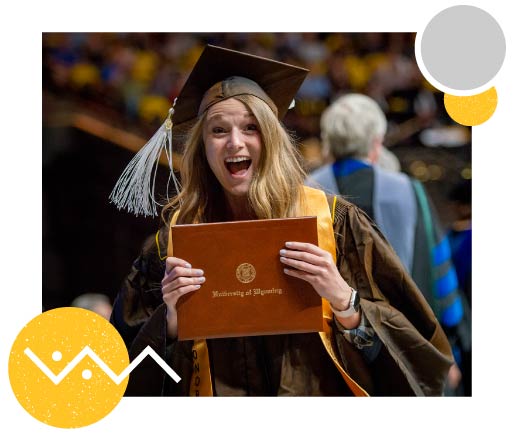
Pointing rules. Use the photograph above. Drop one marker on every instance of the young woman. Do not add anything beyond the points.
(240, 164)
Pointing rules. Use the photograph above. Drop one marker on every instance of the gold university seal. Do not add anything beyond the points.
(245, 273)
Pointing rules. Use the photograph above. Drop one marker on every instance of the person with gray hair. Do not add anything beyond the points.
(353, 126)
(96, 302)
(352, 131)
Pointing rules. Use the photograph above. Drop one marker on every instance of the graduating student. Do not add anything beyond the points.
(238, 163)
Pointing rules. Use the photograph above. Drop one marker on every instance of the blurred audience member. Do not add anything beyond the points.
(123, 70)
(460, 243)
(460, 235)
(96, 302)
(387, 160)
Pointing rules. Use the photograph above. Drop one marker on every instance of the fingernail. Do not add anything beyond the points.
(283, 259)
(286, 271)
(283, 252)
(288, 244)
(198, 272)
(201, 279)
(187, 265)
(197, 286)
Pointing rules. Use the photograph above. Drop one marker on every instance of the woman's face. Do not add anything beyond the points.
(233, 145)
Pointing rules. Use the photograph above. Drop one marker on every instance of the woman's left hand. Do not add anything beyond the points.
(316, 266)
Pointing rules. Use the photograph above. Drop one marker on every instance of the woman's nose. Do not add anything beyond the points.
(236, 138)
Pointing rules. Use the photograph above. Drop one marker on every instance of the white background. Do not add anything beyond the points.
(21, 25)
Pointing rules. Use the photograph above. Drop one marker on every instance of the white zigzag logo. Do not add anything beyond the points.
(87, 351)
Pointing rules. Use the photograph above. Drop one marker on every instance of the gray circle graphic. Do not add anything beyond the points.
(463, 47)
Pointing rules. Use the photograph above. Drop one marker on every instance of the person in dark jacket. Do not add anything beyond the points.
(240, 164)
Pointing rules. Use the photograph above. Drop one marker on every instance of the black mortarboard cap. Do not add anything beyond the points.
(227, 70)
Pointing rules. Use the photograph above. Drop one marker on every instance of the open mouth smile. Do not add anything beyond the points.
(238, 165)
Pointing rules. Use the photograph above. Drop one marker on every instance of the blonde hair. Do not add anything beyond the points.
(351, 124)
(275, 191)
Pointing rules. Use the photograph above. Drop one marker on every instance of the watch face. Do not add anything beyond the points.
(356, 300)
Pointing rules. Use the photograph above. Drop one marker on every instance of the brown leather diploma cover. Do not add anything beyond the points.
(246, 291)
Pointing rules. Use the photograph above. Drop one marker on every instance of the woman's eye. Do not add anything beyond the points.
(218, 130)
(252, 127)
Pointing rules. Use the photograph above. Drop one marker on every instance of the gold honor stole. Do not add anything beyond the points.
(315, 204)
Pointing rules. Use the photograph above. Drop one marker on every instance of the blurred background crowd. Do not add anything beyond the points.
(104, 94)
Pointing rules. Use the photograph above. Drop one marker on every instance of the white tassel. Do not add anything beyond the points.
(135, 189)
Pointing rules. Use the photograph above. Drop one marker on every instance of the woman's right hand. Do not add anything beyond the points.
(179, 278)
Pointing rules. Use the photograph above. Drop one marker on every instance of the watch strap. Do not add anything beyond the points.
(350, 311)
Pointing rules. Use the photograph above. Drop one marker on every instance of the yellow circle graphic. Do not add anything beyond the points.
(245, 273)
(471, 110)
(64, 366)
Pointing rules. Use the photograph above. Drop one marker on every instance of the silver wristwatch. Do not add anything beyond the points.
(352, 309)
